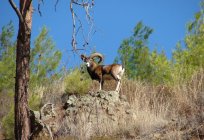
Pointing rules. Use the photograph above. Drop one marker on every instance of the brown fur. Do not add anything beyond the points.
(101, 72)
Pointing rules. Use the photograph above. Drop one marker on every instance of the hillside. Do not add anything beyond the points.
(139, 111)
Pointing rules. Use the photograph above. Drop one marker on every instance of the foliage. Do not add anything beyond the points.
(8, 120)
(7, 58)
(160, 68)
(141, 63)
(137, 59)
(77, 83)
(8, 124)
(34, 101)
(7, 74)
(44, 59)
(5, 38)
(133, 52)
(44, 62)
(6, 101)
(190, 58)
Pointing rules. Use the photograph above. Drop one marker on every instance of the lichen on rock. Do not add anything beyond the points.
(90, 113)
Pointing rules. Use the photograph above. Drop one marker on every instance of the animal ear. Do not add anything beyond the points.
(83, 57)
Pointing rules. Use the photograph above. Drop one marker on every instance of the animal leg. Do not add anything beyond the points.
(100, 85)
(118, 86)
(101, 82)
(117, 78)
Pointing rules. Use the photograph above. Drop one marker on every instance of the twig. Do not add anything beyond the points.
(75, 19)
(82, 29)
(39, 2)
(74, 26)
(56, 5)
(50, 132)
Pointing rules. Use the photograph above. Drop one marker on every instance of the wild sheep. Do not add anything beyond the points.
(97, 71)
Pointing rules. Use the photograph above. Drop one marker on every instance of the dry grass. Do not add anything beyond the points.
(151, 105)
(178, 108)
(159, 112)
(52, 93)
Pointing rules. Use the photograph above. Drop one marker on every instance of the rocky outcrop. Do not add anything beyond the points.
(82, 117)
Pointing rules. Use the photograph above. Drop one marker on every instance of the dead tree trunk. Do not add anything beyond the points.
(22, 121)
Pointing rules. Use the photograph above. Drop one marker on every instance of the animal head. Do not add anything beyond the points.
(90, 59)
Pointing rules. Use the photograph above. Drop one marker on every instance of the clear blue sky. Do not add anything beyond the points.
(115, 20)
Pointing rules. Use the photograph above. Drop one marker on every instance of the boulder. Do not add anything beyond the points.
(93, 111)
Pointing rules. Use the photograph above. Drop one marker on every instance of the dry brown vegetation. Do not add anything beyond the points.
(158, 112)
(168, 112)
(172, 112)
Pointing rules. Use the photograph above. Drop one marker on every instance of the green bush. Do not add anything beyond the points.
(8, 124)
(34, 101)
(77, 83)
(8, 120)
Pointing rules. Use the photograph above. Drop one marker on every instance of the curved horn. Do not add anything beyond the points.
(100, 56)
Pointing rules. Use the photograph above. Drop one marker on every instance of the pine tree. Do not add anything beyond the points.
(45, 59)
(134, 53)
(7, 58)
(190, 57)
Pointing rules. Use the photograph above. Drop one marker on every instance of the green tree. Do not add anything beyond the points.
(49, 61)
(134, 53)
(7, 58)
(139, 61)
(160, 68)
(24, 14)
(190, 57)
(6, 39)
(45, 59)
(194, 41)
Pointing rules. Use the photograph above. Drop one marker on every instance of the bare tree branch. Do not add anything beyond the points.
(13, 5)
(77, 3)
(82, 30)
(74, 26)
(86, 5)
(56, 5)
(39, 3)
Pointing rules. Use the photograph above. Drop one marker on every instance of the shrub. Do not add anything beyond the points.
(77, 83)
(8, 120)
(34, 101)
(8, 124)
(6, 101)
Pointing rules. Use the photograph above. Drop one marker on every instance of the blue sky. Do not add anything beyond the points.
(114, 21)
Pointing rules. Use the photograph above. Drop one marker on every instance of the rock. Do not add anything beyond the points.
(36, 114)
(123, 98)
(102, 95)
(72, 100)
(201, 131)
(91, 111)
(110, 110)
(157, 135)
(131, 134)
(129, 111)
